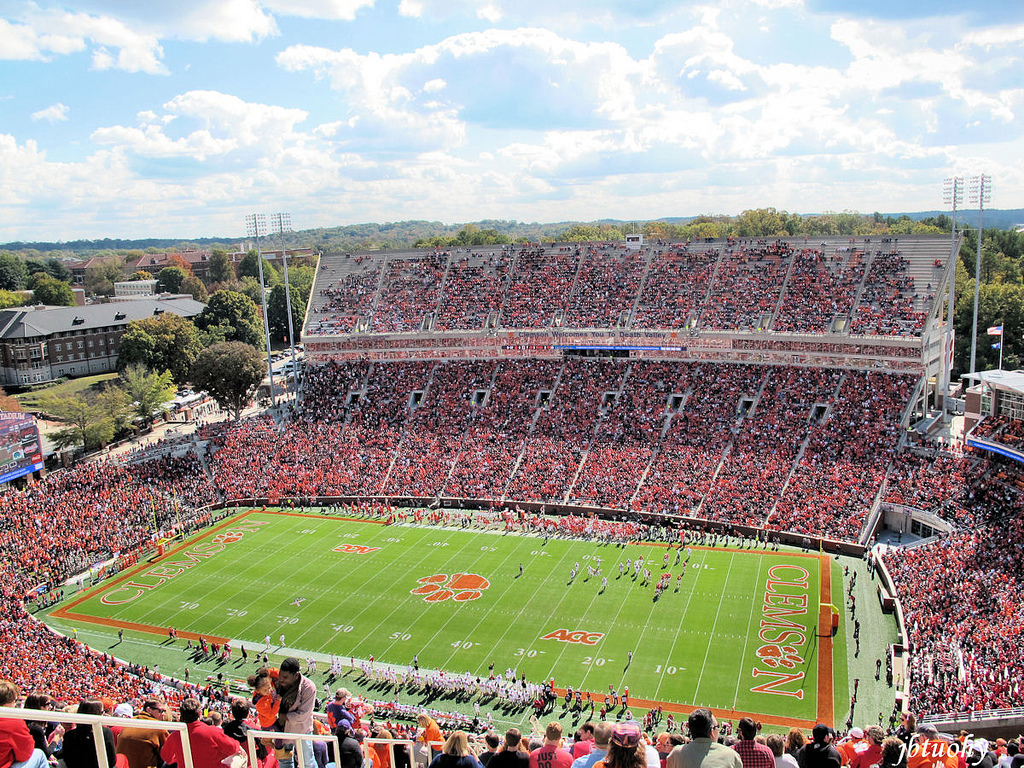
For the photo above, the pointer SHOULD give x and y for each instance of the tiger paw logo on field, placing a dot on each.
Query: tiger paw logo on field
(228, 537)
(459, 587)
(777, 656)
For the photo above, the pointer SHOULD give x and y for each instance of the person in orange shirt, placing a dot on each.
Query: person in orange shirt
(849, 747)
(929, 751)
(265, 697)
(431, 734)
(382, 752)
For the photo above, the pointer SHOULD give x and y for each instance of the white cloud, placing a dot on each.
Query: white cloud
(55, 113)
(223, 124)
(338, 10)
(43, 34)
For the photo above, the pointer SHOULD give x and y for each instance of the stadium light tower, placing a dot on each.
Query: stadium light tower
(980, 192)
(255, 226)
(953, 195)
(279, 224)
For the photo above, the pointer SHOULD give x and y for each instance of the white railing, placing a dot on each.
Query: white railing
(97, 722)
(982, 714)
(253, 736)
(300, 757)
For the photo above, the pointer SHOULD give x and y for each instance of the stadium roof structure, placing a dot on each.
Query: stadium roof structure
(998, 379)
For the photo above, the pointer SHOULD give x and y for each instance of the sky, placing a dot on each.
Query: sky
(121, 118)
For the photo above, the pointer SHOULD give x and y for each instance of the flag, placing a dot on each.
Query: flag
(998, 345)
(995, 330)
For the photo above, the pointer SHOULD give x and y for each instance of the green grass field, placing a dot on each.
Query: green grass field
(360, 589)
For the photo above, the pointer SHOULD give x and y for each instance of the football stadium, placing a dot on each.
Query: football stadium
(580, 482)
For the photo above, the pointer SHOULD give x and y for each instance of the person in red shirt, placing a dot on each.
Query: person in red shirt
(210, 746)
(872, 753)
(584, 745)
(551, 755)
(752, 753)
(17, 747)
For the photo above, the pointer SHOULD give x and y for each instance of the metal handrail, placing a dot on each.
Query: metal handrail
(97, 722)
(252, 735)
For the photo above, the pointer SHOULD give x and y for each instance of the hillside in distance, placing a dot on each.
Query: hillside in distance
(406, 234)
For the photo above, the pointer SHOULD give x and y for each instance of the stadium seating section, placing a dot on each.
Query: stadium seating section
(872, 287)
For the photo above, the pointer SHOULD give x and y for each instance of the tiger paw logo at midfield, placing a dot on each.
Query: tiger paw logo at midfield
(459, 587)
(779, 656)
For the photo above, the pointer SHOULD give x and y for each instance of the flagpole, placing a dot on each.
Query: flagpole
(1002, 337)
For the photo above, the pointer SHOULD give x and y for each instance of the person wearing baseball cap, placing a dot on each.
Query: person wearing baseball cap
(850, 746)
(929, 750)
(703, 751)
(819, 753)
(626, 748)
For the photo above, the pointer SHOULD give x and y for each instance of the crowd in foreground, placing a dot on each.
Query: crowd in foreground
(283, 702)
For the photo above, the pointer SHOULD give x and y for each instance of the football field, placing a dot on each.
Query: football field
(738, 632)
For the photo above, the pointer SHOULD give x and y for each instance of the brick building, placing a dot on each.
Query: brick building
(39, 344)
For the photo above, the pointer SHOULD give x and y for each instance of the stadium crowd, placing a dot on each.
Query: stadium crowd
(737, 285)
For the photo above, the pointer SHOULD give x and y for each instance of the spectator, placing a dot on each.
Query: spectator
(777, 744)
(870, 753)
(351, 752)
(511, 755)
(584, 741)
(455, 753)
(626, 748)
(894, 753)
(491, 744)
(298, 697)
(819, 753)
(141, 746)
(753, 754)
(17, 748)
(79, 747)
(209, 745)
(551, 755)
(703, 751)
(602, 738)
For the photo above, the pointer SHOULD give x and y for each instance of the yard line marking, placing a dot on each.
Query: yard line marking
(718, 613)
(682, 619)
(750, 621)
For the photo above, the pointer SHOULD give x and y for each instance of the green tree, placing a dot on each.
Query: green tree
(301, 280)
(114, 404)
(10, 299)
(236, 311)
(220, 269)
(58, 270)
(54, 293)
(13, 273)
(170, 279)
(166, 342)
(148, 390)
(230, 373)
(87, 422)
(761, 222)
(141, 275)
(276, 316)
(101, 275)
(193, 286)
(249, 267)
